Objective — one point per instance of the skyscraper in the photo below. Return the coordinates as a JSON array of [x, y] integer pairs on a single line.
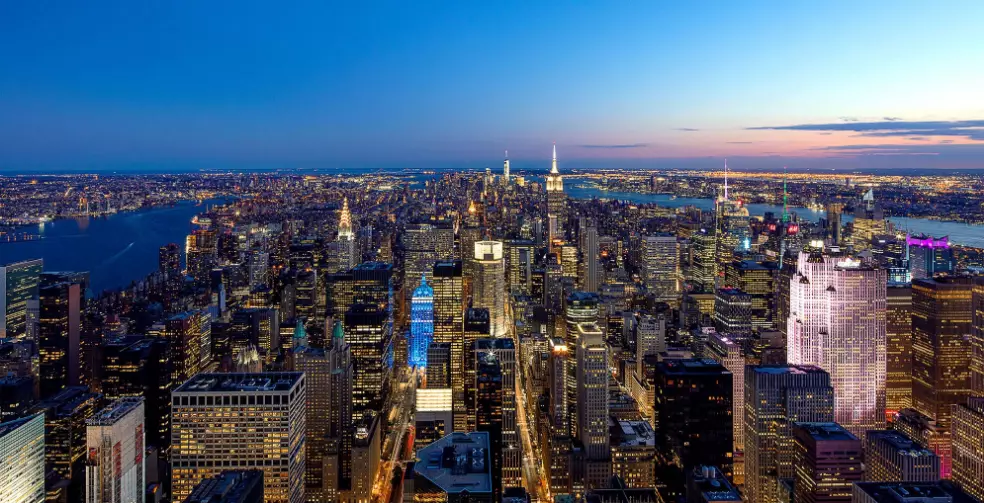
[[834, 226], [19, 283], [727, 352], [592, 402], [967, 428], [556, 202], [941, 351], [929, 256], [115, 460], [504, 351], [59, 328], [262, 420], [169, 260], [660, 266], [490, 285], [421, 324], [449, 327], [589, 258], [369, 334], [977, 340], [898, 349], [837, 322], [891, 456], [490, 390], [201, 254], [424, 244], [869, 221], [828, 461], [776, 397], [347, 256], [733, 312], [693, 420], [22, 460], [189, 337], [505, 169]]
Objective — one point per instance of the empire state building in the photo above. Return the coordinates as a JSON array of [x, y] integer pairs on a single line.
[[556, 201]]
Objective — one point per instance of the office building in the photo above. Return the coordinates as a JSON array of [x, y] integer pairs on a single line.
[[189, 337], [59, 325], [758, 281], [369, 283], [776, 397], [454, 469], [433, 416], [520, 256], [898, 349], [592, 397], [908, 492], [733, 312], [22, 460], [169, 260], [201, 254], [262, 417], [556, 203], [926, 432], [489, 394], [659, 266], [115, 462], [231, 486], [837, 322], [438, 365], [869, 221], [489, 287], [929, 256], [633, 445], [449, 327], [977, 340], [827, 462], [693, 422], [368, 331], [65, 417], [834, 226], [19, 282], [967, 429], [421, 324], [425, 243], [890, 456], [504, 351], [727, 352]]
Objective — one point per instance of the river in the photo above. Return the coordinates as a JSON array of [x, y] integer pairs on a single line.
[[959, 233], [115, 250]]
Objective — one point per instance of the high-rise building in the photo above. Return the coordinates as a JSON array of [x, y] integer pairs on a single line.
[[504, 351], [967, 428], [834, 226], [757, 280], [138, 367], [454, 469], [898, 349], [505, 169], [660, 266], [693, 420], [347, 253], [732, 232], [891, 456], [421, 324], [115, 464], [703, 266], [520, 259], [433, 416], [262, 420], [733, 312], [827, 462], [925, 431], [19, 283], [706, 484], [490, 390], [449, 327], [169, 260], [727, 352], [328, 418], [869, 221], [634, 453], [424, 244], [977, 340], [556, 202], [201, 254], [59, 335], [368, 330], [589, 258], [189, 337], [231, 486], [929, 256], [367, 283], [908, 492], [837, 322], [22, 460], [776, 397], [65, 416], [489, 290], [592, 403], [941, 352], [256, 327], [439, 365]]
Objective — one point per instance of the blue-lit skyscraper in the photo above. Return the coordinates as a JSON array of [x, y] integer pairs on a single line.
[[421, 324]]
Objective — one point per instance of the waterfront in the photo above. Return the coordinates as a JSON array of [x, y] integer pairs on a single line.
[[116, 250], [959, 233]]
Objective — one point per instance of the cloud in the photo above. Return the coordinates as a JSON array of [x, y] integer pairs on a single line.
[[621, 145], [917, 138], [687, 129], [741, 142], [945, 142], [891, 119], [967, 129], [848, 119]]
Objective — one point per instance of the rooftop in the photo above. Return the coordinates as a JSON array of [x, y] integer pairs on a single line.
[[915, 492], [240, 382], [10, 426], [634, 434], [115, 411], [787, 369], [710, 482], [826, 431], [692, 366], [457, 463], [899, 442]]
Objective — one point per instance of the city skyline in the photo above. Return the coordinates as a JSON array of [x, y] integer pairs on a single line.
[[146, 87]]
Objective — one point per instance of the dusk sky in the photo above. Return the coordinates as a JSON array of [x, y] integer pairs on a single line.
[[213, 84]]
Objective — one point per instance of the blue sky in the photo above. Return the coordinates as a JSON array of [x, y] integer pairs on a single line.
[[93, 84]]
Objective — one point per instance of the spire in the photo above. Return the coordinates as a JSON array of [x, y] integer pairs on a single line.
[[345, 221], [507, 155], [553, 164]]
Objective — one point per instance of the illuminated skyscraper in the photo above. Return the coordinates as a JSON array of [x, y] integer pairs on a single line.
[[968, 446], [828, 461], [115, 459], [369, 330], [425, 243], [22, 460], [421, 324], [490, 285], [19, 283], [929, 256], [837, 322], [449, 327], [869, 221], [189, 337], [240, 421], [776, 397], [169, 260], [505, 169], [941, 350], [891, 456], [727, 352], [556, 202], [201, 254], [589, 259], [758, 280], [733, 312], [519, 258], [898, 348], [347, 253], [834, 225], [592, 401], [977, 341], [703, 269], [660, 266]]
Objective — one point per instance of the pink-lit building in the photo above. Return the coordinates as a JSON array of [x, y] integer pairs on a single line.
[[837, 316]]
